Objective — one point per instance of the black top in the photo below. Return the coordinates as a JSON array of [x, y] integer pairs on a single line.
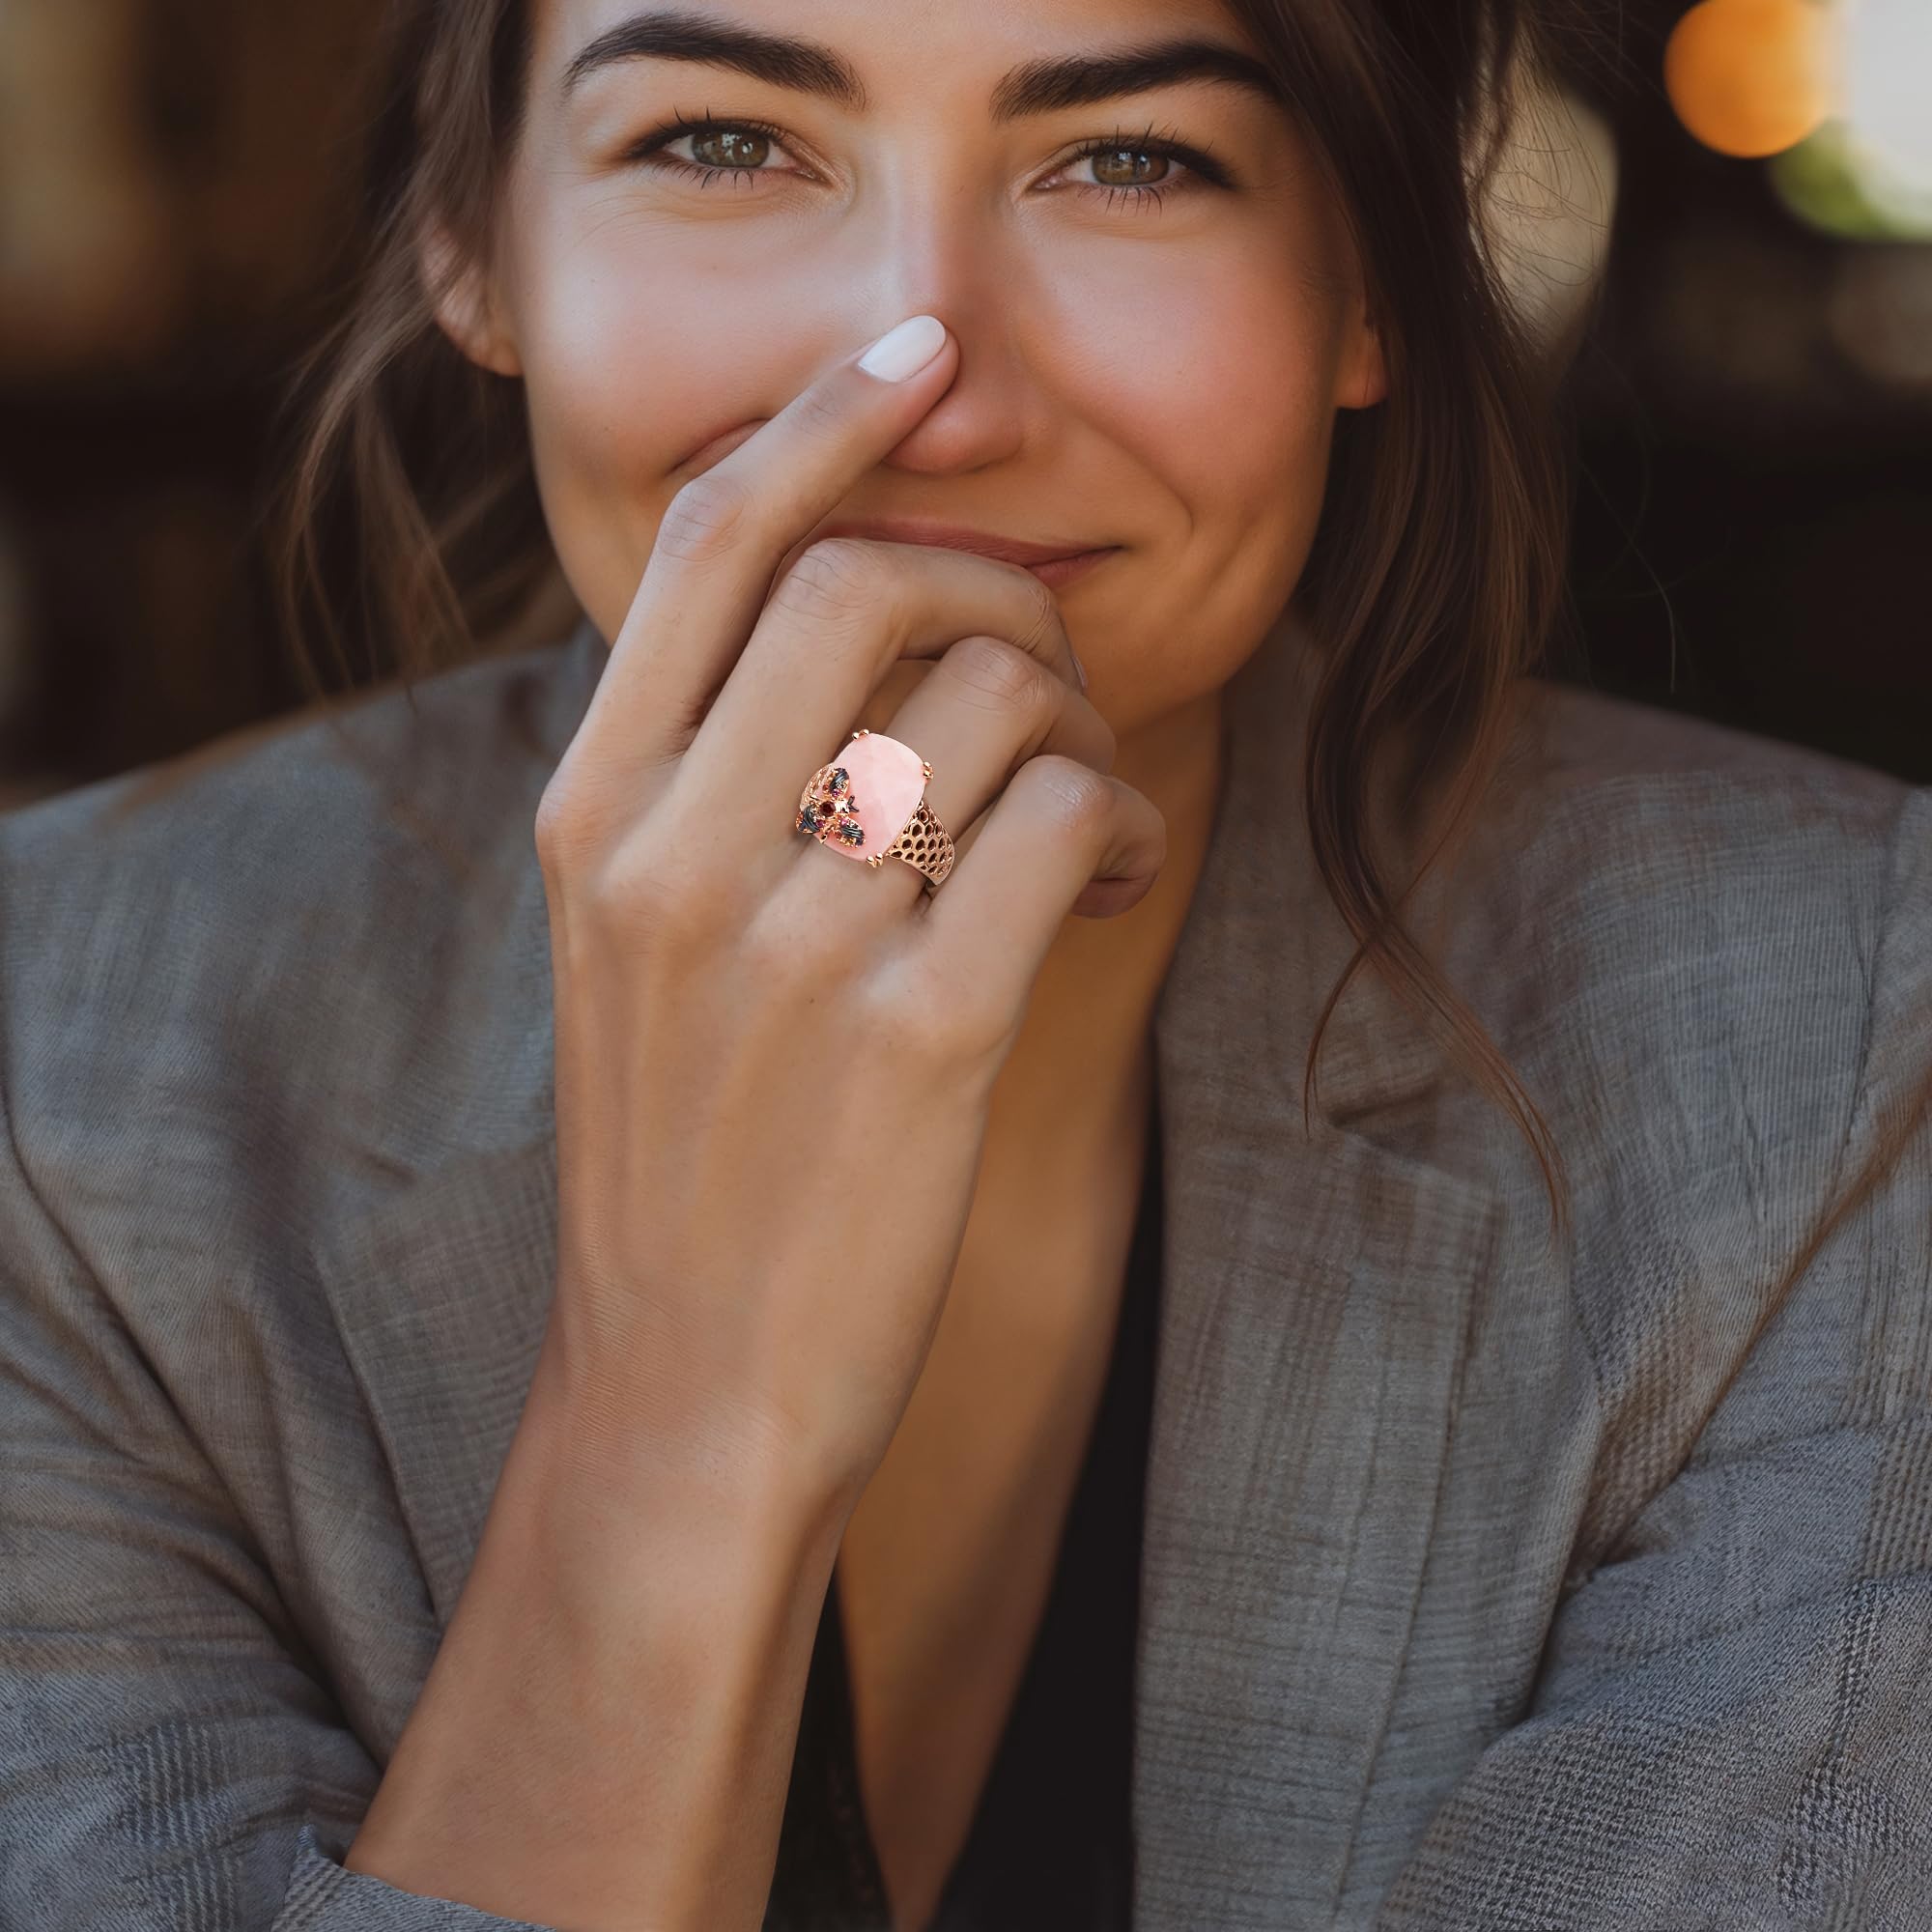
[[1050, 1844]]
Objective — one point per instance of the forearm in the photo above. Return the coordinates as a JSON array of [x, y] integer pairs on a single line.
[[604, 1740]]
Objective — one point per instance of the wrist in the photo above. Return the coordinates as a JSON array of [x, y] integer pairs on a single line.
[[604, 1481], [605, 1735]]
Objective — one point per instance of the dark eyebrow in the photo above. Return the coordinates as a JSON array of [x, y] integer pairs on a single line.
[[1034, 87]]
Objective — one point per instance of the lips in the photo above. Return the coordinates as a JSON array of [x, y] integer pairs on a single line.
[[957, 536]]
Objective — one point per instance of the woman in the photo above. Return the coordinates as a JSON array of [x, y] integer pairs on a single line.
[[574, 1357]]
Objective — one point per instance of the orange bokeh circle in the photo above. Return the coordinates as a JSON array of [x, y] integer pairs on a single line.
[[1754, 77]]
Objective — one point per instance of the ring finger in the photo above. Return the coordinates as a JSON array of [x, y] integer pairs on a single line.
[[836, 623], [985, 709]]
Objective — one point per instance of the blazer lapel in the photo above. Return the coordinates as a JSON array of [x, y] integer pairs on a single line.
[[1316, 1288], [441, 1295], [440, 1275]]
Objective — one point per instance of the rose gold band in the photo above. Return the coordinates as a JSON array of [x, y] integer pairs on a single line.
[[924, 844]]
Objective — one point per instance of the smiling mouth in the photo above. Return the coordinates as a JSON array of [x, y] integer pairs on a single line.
[[1056, 571], [1022, 551]]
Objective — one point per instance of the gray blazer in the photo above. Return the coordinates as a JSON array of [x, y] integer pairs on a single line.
[[1488, 1582]]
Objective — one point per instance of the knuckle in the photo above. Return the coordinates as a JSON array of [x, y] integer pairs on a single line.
[[583, 809], [907, 1005], [561, 832], [939, 1012], [647, 894], [569, 827], [822, 413], [794, 947], [835, 582], [993, 670], [705, 519], [1073, 796], [1044, 626]]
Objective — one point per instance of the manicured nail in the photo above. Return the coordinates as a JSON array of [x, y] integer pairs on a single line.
[[906, 350]]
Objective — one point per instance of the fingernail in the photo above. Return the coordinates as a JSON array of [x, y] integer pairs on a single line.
[[906, 350], [1079, 667]]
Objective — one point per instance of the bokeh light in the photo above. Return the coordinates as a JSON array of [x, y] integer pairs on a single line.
[[1754, 77], [1889, 85], [1838, 183]]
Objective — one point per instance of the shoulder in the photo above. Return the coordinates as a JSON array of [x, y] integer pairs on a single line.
[[241, 992], [1689, 944], [1697, 926], [241, 943], [1686, 880], [295, 786], [1698, 801], [1709, 956]]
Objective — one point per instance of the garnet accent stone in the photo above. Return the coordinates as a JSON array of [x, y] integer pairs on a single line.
[[820, 814]]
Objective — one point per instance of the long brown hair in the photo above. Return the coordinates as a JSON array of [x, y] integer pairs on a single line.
[[1437, 579]]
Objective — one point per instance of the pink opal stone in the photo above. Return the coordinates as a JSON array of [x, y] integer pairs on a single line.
[[887, 782]]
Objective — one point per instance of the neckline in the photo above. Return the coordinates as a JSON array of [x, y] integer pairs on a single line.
[[1128, 1382]]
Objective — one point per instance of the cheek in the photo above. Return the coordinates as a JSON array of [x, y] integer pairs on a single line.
[[634, 355], [1209, 380], [1236, 418], [1215, 371]]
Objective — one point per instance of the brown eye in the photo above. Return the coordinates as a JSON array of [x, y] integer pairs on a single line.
[[730, 147], [1108, 175], [1142, 170]]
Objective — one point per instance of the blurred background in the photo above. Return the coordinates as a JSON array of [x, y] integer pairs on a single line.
[[1752, 179]]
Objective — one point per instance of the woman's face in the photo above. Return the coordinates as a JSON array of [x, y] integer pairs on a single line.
[[1150, 356]]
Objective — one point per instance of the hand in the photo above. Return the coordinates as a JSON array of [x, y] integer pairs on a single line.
[[774, 1065]]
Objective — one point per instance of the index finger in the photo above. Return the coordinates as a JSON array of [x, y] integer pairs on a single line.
[[725, 533]]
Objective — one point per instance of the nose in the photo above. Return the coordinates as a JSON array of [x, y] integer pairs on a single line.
[[930, 247]]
